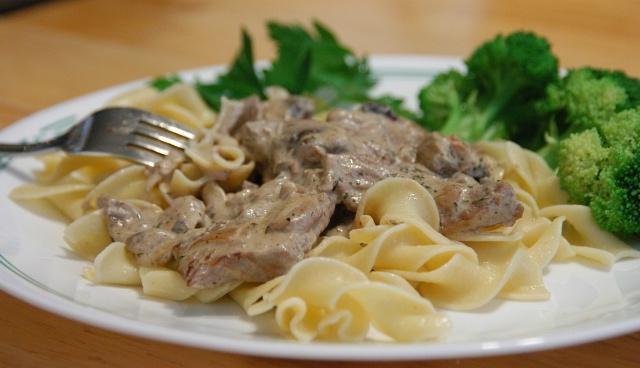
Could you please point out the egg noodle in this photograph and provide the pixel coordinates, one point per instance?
(391, 271)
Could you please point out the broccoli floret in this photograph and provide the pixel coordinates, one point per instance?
(517, 66)
(581, 157)
(584, 99)
(581, 100)
(630, 85)
(600, 167)
(444, 100)
(496, 98)
(617, 207)
(622, 130)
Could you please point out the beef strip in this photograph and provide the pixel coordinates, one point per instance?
(126, 218)
(466, 205)
(287, 108)
(448, 156)
(280, 106)
(150, 234)
(381, 109)
(252, 235)
(257, 233)
(234, 113)
(183, 214)
(355, 149)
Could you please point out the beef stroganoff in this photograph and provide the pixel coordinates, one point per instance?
(360, 219)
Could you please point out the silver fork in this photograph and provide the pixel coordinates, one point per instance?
(128, 133)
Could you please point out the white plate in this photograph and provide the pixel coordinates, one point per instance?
(586, 303)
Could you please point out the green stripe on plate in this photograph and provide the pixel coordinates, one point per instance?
(11, 267)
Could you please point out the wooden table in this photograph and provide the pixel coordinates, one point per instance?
(61, 49)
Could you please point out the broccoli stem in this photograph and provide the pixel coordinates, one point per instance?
(470, 125)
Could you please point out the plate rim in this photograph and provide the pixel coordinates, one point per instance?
(77, 311)
(291, 349)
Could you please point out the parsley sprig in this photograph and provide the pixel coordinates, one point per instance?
(310, 62)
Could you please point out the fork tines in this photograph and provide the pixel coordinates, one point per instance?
(159, 136)
(168, 126)
(149, 145)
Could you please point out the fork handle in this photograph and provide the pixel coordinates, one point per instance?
(57, 142)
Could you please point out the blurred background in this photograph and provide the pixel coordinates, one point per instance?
(53, 50)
